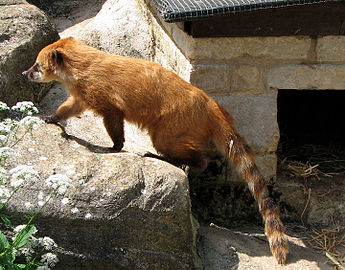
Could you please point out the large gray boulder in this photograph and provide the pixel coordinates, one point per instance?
(132, 212)
(121, 27)
(24, 31)
(66, 13)
(125, 212)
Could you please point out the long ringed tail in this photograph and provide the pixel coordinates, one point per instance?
(242, 157)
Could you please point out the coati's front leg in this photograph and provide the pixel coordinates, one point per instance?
(113, 122)
(71, 107)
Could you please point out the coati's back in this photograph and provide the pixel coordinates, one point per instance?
(145, 91)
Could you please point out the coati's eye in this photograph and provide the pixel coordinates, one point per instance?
(38, 68)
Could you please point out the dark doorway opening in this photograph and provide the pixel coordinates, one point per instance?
(312, 129)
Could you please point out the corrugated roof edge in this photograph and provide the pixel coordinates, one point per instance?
(171, 13)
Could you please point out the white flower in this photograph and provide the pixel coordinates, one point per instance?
(3, 175)
(29, 205)
(31, 121)
(19, 228)
(16, 182)
(7, 125)
(40, 195)
(27, 251)
(47, 243)
(25, 106)
(88, 216)
(10, 122)
(24, 172)
(49, 259)
(44, 267)
(41, 199)
(4, 128)
(60, 181)
(40, 203)
(64, 201)
(75, 210)
(3, 106)
(4, 194)
(7, 152)
(2, 139)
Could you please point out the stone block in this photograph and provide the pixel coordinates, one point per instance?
(245, 77)
(229, 48)
(211, 77)
(267, 165)
(302, 76)
(256, 118)
(331, 48)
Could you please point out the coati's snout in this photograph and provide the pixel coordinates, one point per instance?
(47, 66)
(33, 73)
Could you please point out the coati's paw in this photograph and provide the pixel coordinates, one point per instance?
(116, 147)
(50, 119)
(279, 246)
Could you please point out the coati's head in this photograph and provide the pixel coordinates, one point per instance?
(49, 63)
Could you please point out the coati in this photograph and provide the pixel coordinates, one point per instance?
(181, 119)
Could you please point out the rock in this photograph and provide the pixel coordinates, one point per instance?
(120, 27)
(57, 7)
(24, 31)
(65, 13)
(133, 212)
(223, 249)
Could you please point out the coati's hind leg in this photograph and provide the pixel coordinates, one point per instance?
(113, 122)
(184, 151)
(196, 165)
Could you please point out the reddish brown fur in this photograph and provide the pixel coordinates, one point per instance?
(180, 118)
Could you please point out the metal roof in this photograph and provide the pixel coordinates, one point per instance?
(186, 10)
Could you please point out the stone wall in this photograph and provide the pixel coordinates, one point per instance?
(244, 75)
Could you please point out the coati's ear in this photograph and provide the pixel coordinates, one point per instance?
(57, 57)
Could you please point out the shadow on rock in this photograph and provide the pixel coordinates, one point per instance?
(92, 147)
(221, 248)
